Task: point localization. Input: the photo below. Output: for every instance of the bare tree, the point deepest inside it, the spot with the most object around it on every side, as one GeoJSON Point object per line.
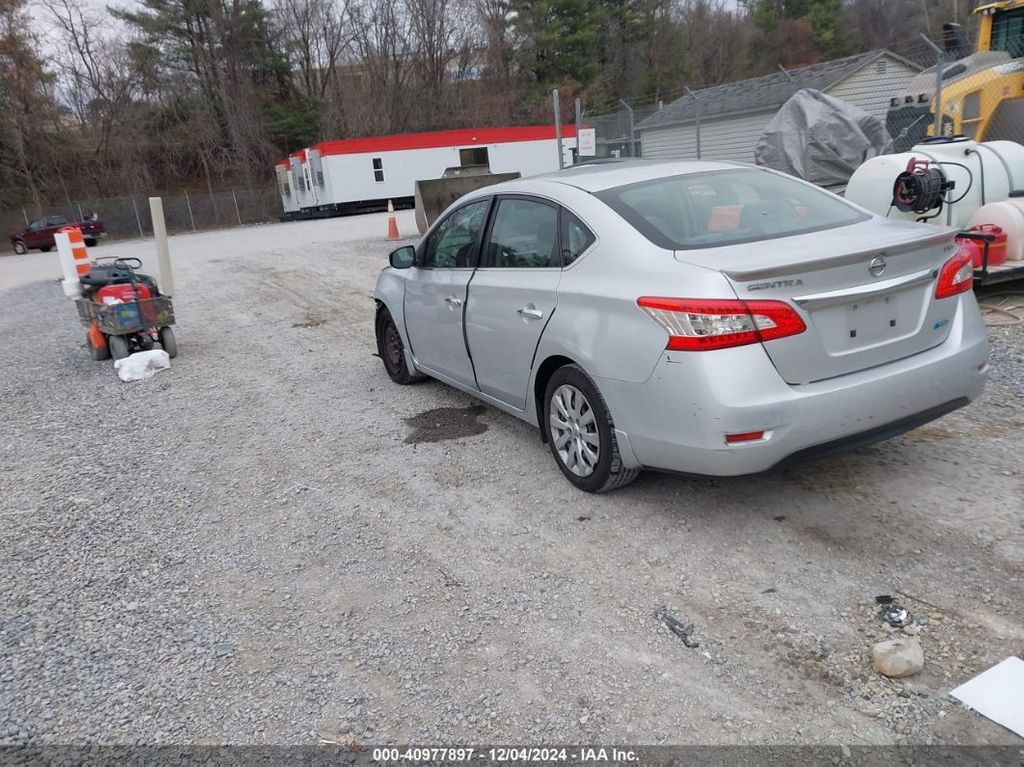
{"type": "Point", "coordinates": [315, 38]}
{"type": "Point", "coordinates": [382, 42]}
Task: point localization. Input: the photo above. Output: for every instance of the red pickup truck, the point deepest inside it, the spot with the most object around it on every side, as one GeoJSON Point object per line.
{"type": "Point", "coordinates": [39, 234]}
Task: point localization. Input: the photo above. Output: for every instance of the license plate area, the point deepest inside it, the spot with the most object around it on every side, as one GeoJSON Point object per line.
{"type": "Point", "coordinates": [873, 320]}
{"type": "Point", "coordinates": [869, 322]}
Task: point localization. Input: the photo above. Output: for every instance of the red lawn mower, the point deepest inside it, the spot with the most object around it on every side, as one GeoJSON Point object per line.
{"type": "Point", "coordinates": [124, 310]}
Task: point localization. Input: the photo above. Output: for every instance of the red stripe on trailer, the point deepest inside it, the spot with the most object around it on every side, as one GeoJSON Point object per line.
{"type": "Point", "coordinates": [436, 139]}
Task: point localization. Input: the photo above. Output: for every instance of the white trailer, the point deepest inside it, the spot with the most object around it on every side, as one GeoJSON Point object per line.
{"type": "Point", "coordinates": [363, 174]}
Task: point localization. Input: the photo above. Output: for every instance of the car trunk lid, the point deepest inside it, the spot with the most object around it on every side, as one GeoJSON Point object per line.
{"type": "Point", "coordinates": [866, 293]}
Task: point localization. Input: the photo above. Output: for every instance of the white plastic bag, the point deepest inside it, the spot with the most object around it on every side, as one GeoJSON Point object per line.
{"type": "Point", "coordinates": [142, 365]}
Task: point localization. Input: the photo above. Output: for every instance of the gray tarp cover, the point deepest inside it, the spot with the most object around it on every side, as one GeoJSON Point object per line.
{"type": "Point", "coordinates": [820, 138]}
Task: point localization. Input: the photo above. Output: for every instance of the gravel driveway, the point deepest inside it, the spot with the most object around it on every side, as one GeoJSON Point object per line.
{"type": "Point", "coordinates": [272, 543]}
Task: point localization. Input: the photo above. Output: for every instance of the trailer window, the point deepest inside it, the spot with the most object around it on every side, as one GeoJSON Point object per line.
{"type": "Point", "coordinates": [378, 169]}
{"type": "Point", "coordinates": [473, 156]}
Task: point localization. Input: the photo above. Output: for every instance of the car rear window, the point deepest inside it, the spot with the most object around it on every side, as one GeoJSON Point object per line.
{"type": "Point", "coordinates": [715, 208]}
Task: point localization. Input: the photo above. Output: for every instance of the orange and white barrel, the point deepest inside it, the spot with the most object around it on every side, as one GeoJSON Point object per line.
{"type": "Point", "coordinates": [72, 286]}
{"type": "Point", "coordinates": [78, 250]}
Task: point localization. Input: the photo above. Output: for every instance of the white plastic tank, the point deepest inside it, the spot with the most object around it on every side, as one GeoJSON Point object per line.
{"type": "Point", "coordinates": [1008, 215]}
{"type": "Point", "coordinates": [983, 173]}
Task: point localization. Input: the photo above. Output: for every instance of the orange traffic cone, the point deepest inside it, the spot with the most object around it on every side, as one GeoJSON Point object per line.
{"type": "Point", "coordinates": [392, 223]}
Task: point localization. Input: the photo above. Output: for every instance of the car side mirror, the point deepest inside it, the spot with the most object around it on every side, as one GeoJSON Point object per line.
{"type": "Point", "coordinates": [403, 257]}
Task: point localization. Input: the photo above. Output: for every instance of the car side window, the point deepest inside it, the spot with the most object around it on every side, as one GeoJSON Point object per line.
{"type": "Point", "coordinates": [57, 221]}
{"type": "Point", "coordinates": [576, 238]}
{"type": "Point", "coordinates": [524, 235]}
{"type": "Point", "coordinates": [36, 225]}
{"type": "Point", "coordinates": [453, 243]}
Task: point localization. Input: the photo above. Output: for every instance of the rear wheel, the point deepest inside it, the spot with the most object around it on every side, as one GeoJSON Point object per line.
{"type": "Point", "coordinates": [167, 342]}
{"type": "Point", "coordinates": [118, 347]}
{"type": "Point", "coordinates": [581, 434]}
{"type": "Point", "coordinates": [46, 248]}
{"type": "Point", "coordinates": [97, 353]}
{"type": "Point", "coordinates": [392, 349]}
{"type": "Point", "coordinates": [19, 248]}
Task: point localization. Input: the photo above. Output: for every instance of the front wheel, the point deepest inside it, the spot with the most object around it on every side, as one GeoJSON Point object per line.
{"type": "Point", "coordinates": [392, 350]}
{"type": "Point", "coordinates": [581, 434]}
{"type": "Point", "coordinates": [19, 248]}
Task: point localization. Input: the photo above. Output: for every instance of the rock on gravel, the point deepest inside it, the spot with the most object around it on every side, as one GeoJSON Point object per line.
{"type": "Point", "coordinates": [897, 658]}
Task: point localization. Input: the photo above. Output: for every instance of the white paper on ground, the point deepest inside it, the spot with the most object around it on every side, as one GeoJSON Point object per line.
{"type": "Point", "coordinates": [998, 694]}
{"type": "Point", "coordinates": [142, 365]}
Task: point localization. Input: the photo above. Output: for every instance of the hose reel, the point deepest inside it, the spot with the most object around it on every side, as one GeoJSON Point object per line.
{"type": "Point", "coordinates": [921, 187]}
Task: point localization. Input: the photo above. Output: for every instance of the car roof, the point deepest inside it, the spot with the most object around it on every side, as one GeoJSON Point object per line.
{"type": "Point", "coordinates": [596, 176]}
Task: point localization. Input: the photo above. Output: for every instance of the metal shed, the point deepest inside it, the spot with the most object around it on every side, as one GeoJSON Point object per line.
{"type": "Point", "coordinates": [730, 118]}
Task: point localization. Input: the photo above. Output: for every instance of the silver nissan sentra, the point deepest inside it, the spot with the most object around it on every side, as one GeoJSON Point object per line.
{"type": "Point", "coordinates": [698, 317]}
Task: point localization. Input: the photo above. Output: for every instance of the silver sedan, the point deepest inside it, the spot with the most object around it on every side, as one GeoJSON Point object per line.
{"type": "Point", "coordinates": [697, 317]}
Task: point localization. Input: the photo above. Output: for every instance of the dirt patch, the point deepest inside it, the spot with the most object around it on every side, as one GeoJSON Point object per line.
{"type": "Point", "coordinates": [444, 423]}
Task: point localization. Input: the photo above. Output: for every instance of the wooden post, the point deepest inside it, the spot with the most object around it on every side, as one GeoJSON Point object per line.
{"type": "Point", "coordinates": [163, 255]}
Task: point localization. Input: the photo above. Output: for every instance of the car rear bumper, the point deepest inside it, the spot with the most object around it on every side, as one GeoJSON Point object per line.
{"type": "Point", "coordinates": [677, 420]}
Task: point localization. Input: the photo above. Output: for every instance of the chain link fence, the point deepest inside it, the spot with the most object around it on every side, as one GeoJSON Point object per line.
{"type": "Point", "coordinates": [616, 130]}
{"type": "Point", "coordinates": [971, 86]}
{"type": "Point", "coordinates": [128, 217]}
{"type": "Point", "coordinates": [965, 84]}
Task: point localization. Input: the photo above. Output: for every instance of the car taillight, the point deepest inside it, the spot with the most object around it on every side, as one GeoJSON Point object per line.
{"type": "Point", "coordinates": [956, 275]}
{"type": "Point", "coordinates": [695, 324]}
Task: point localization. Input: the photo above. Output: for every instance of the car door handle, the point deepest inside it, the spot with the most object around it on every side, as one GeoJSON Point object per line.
{"type": "Point", "coordinates": [453, 301]}
{"type": "Point", "coordinates": [531, 312]}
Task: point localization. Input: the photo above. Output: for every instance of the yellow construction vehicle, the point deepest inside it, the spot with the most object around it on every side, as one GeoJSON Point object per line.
{"type": "Point", "coordinates": [982, 93]}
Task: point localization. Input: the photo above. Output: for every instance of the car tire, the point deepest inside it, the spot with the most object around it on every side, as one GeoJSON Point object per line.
{"type": "Point", "coordinates": [571, 400]}
{"type": "Point", "coordinates": [391, 350]}
{"type": "Point", "coordinates": [118, 347]}
{"type": "Point", "coordinates": [168, 342]}
{"type": "Point", "coordinates": [19, 248]}
{"type": "Point", "coordinates": [90, 242]}
{"type": "Point", "coordinates": [46, 248]}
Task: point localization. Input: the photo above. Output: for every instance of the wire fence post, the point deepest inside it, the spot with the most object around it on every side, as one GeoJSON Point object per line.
{"type": "Point", "coordinates": [237, 214]}
{"type": "Point", "coordinates": [558, 127]}
{"type": "Point", "coordinates": [191, 218]}
{"type": "Point", "coordinates": [940, 61]}
{"type": "Point", "coordinates": [138, 219]}
{"type": "Point", "coordinates": [24, 214]}
{"type": "Point", "coordinates": [632, 128]}
{"type": "Point", "coordinates": [579, 124]}
{"type": "Point", "coordinates": [696, 123]}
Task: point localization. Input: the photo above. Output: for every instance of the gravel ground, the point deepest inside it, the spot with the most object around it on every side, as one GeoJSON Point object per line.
{"type": "Point", "coordinates": [271, 543]}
